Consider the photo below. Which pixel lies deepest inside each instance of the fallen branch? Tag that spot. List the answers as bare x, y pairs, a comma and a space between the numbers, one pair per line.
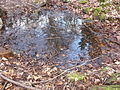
17, 83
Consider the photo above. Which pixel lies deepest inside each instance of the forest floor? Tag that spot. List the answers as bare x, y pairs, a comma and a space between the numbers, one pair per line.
20, 73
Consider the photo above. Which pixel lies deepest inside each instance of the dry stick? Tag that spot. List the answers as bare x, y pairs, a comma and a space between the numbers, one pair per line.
113, 41
5, 85
50, 38
17, 83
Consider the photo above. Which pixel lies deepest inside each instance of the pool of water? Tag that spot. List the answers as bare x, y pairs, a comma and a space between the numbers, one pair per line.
51, 35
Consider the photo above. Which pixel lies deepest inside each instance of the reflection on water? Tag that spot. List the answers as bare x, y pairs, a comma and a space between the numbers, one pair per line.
52, 33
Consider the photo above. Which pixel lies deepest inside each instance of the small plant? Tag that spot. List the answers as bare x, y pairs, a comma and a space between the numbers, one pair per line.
112, 78
117, 7
86, 10
100, 11
74, 76
102, 16
95, 13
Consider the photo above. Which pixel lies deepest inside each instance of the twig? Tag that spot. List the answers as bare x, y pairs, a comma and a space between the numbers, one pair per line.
5, 85
17, 83
113, 41
49, 38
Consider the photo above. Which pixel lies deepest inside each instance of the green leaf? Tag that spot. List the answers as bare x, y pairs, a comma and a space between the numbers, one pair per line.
99, 9
112, 78
102, 1
105, 4
117, 7
104, 69
36, 1
75, 77
106, 11
77, 7
86, 10
66, 1
95, 13
102, 16
116, 74
89, 19
110, 18
82, 1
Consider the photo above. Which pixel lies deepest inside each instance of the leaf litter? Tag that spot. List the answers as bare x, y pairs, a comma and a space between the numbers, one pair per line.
34, 73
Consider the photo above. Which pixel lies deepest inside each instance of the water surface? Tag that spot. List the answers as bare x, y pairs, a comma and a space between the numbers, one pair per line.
47, 35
